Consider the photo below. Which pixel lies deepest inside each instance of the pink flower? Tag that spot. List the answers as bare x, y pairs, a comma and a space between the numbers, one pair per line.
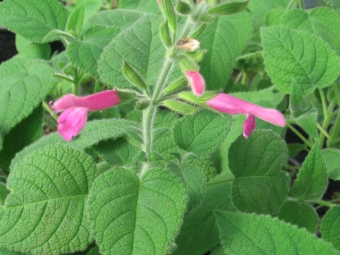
74, 116
197, 82
232, 105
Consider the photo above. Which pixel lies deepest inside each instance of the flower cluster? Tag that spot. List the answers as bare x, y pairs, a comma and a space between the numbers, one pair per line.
74, 110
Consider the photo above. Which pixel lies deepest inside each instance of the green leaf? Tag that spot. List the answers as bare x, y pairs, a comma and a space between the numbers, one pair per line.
117, 152
305, 60
45, 211
26, 132
243, 233
299, 213
164, 143
165, 119
332, 161
133, 44
23, 85
169, 14
215, 68
75, 21
228, 8
312, 179
259, 185
140, 5
199, 232
85, 54
320, 21
330, 225
93, 133
33, 19
260, 8
308, 122
91, 7
201, 133
203, 162
4, 251
30, 50
132, 216
193, 178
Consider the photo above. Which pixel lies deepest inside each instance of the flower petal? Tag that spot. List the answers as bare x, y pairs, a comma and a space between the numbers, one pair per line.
249, 125
71, 122
63, 103
197, 82
233, 105
99, 101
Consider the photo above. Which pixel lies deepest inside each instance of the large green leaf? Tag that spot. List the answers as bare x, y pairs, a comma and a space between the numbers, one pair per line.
330, 225
132, 216
201, 133
320, 21
243, 233
299, 58
93, 133
23, 85
140, 5
33, 19
140, 46
199, 232
259, 185
45, 211
312, 180
225, 39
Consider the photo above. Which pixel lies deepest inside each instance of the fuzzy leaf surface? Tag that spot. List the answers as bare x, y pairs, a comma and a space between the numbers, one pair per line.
259, 185
201, 133
243, 233
45, 211
33, 19
295, 57
218, 62
132, 216
330, 225
332, 161
23, 85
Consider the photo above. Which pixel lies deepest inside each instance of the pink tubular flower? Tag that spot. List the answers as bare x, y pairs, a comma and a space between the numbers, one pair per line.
74, 116
197, 82
232, 105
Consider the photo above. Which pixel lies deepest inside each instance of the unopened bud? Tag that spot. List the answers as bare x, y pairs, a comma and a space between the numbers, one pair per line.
169, 14
183, 7
228, 8
176, 86
197, 33
132, 76
180, 107
187, 63
165, 35
188, 44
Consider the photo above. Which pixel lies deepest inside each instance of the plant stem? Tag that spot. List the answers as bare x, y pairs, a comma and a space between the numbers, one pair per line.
299, 135
49, 110
64, 77
326, 116
324, 203
336, 129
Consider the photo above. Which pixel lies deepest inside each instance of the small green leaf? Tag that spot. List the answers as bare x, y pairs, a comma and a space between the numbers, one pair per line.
169, 14
117, 152
308, 122
259, 185
23, 85
228, 8
243, 233
132, 216
75, 21
305, 60
45, 211
201, 133
312, 179
133, 77
203, 162
24, 17
330, 225
299, 213
332, 161
26, 132
141, 5
183, 7
30, 50
85, 54
199, 232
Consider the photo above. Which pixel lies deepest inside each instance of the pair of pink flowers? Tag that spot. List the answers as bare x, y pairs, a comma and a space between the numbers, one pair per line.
75, 110
233, 105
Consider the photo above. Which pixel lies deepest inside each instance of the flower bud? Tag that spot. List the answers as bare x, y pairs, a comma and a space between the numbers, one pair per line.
169, 14
188, 44
165, 35
132, 76
228, 8
183, 7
